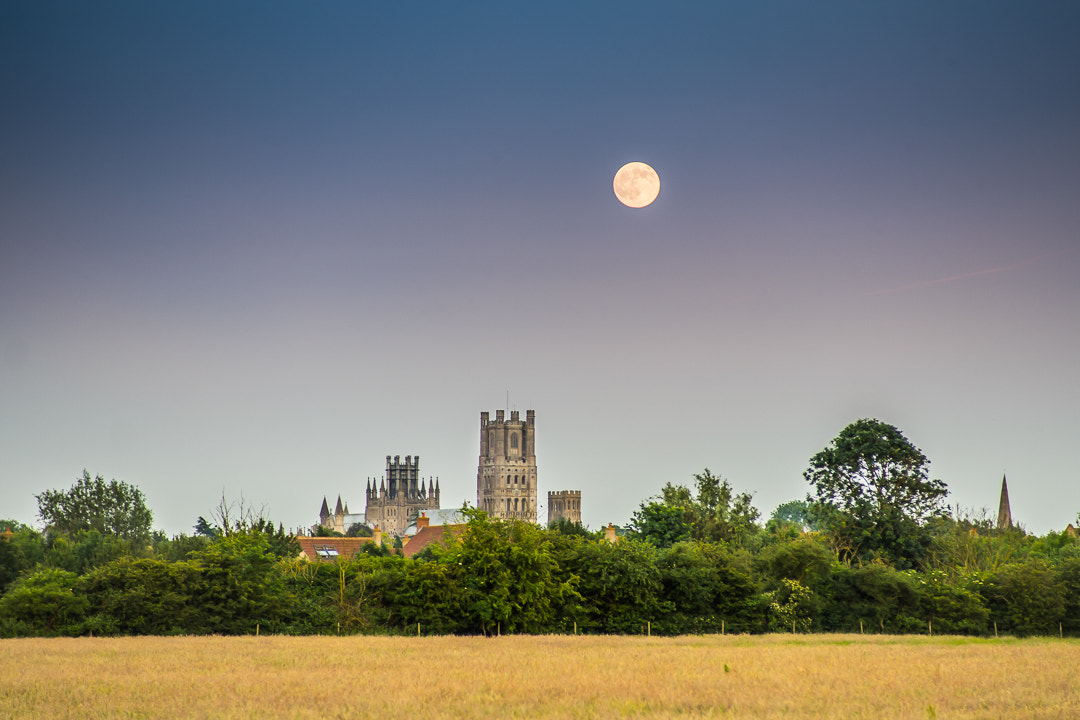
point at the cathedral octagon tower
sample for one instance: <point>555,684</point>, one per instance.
<point>506,477</point>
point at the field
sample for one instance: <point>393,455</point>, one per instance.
<point>806,676</point>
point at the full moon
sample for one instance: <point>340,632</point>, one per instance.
<point>636,184</point>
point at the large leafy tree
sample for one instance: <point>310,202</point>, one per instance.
<point>110,508</point>
<point>872,491</point>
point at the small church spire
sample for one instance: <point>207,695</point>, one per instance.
<point>1004,519</point>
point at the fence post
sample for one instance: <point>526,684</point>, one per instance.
<point>930,628</point>
<point>256,629</point>
<point>721,627</point>
<point>648,628</point>
<point>575,627</point>
<point>995,629</point>
<point>860,627</point>
<point>417,629</point>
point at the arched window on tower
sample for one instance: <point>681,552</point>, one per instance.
<point>513,441</point>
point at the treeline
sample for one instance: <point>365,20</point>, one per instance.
<point>871,549</point>
<point>502,577</point>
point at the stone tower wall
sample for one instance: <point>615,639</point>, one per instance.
<point>400,496</point>
<point>564,504</point>
<point>506,476</point>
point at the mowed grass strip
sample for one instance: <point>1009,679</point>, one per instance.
<point>775,676</point>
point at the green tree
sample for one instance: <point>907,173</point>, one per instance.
<point>872,491</point>
<point>713,512</point>
<point>951,608</point>
<point>1068,579</point>
<point>359,530</point>
<point>84,550</point>
<point>512,581</point>
<point>791,607</point>
<point>620,585</point>
<point>565,526</point>
<point>705,591</point>
<point>882,598</point>
<point>110,508</point>
<point>660,524</point>
<point>398,592</point>
<point>43,602</point>
<point>1025,599</point>
<point>203,528</point>
<point>795,512</point>
<point>805,559</point>
<point>240,518</point>
<point>147,596</point>
<point>18,553</point>
<point>239,584</point>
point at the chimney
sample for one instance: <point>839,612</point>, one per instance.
<point>377,537</point>
<point>609,534</point>
<point>422,522</point>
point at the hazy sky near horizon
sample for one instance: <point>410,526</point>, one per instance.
<point>253,248</point>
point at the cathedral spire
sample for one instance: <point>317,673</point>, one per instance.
<point>1004,519</point>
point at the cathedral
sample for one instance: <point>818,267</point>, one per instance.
<point>393,503</point>
<point>506,486</point>
<point>400,496</point>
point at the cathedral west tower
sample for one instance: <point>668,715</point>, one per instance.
<point>506,477</point>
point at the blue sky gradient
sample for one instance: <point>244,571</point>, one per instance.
<point>253,248</point>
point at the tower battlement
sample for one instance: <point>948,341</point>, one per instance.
<point>506,475</point>
<point>564,504</point>
<point>398,498</point>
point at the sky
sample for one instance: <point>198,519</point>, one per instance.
<point>248,250</point>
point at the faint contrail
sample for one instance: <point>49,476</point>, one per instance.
<point>988,271</point>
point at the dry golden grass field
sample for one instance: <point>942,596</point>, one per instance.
<point>776,676</point>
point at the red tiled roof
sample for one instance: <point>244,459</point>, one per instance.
<point>331,548</point>
<point>426,536</point>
